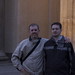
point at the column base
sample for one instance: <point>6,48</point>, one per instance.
<point>3,56</point>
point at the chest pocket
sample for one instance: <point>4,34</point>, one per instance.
<point>49,47</point>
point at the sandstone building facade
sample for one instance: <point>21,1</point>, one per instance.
<point>16,15</point>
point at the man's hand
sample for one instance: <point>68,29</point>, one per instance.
<point>24,71</point>
<point>67,40</point>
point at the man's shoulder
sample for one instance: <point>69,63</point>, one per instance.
<point>24,41</point>
<point>49,41</point>
<point>44,39</point>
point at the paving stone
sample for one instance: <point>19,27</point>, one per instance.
<point>6,68</point>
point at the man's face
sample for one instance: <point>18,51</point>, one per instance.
<point>56,31</point>
<point>34,31</point>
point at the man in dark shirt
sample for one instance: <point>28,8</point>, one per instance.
<point>58,53</point>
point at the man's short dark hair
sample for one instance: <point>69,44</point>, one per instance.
<point>33,24</point>
<point>57,23</point>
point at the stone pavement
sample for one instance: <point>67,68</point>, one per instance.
<point>6,68</point>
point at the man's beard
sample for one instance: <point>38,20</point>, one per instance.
<point>34,36</point>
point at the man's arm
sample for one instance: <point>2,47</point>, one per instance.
<point>16,58</point>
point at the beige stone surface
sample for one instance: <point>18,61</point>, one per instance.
<point>67,18</point>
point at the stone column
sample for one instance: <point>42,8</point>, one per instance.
<point>2,21</point>
<point>11,26</point>
<point>67,18</point>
